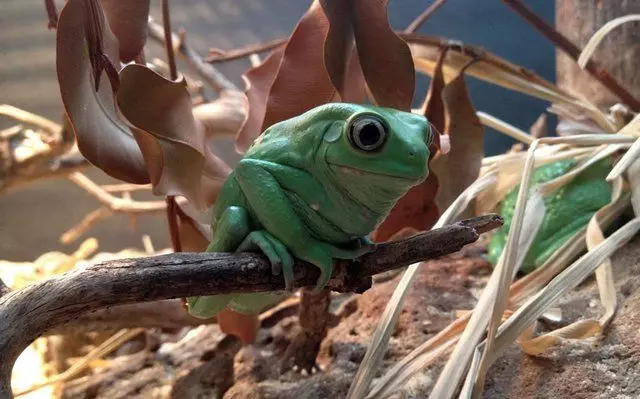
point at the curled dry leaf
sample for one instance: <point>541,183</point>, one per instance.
<point>128,21</point>
<point>385,57</point>
<point>319,64</point>
<point>302,82</point>
<point>460,167</point>
<point>258,81</point>
<point>339,41</point>
<point>173,142</point>
<point>102,135</point>
<point>223,116</point>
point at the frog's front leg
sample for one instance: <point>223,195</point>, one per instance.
<point>275,212</point>
<point>231,229</point>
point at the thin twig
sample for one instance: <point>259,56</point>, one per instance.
<point>28,313</point>
<point>217,55</point>
<point>52,13</point>
<point>424,16</point>
<point>52,128</point>
<point>110,205</point>
<point>211,76</point>
<point>172,217</point>
<point>121,187</point>
<point>168,40</point>
<point>564,44</point>
<point>85,224</point>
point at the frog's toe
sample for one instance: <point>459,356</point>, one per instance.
<point>352,253</point>
<point>325,276</point>
<point>286,262</point>
<point>277,253</point>
<point>261,240</point>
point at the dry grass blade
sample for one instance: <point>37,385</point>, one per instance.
<point>528,230</point>
<point>600,34</point>
<point>371,362</point>
<point>556,183</point>
<point>451,375</point>
<point>104,349</point>
<point>418,359</point>
<point>504,127</point>
<point>566,280</point>
<point>632,129</point>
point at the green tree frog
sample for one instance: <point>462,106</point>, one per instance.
<point>568,209</point>
<point>313,187</point>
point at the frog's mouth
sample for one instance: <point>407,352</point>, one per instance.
<point>349,170</point>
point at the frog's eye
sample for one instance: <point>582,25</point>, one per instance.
<point>367,133</point>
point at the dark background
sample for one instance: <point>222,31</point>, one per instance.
<point>32,218</point>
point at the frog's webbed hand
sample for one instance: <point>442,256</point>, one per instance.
<point>275,212</point>
<point>276,251</point>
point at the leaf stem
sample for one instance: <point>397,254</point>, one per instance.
<point>168,40</point>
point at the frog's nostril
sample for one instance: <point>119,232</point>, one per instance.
<point>412,154</point>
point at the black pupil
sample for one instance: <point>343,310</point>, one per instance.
<point>369,134</point>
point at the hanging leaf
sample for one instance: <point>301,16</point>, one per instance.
<point>258,81</point>
<point>338,45</point>
<point>225,115</point>
<point>460,167</point>
<point>355,86</point>
<point>302,82</point>
<point>128,21</point>
<point>390,73</point>
<point>385,58</point>
<point>102,135</point>
<point>417,208</point>
<point>173,142</point>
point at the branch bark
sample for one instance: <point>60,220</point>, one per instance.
<point>28,313</point>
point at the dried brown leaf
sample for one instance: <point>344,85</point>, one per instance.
<point>385,58</point>
<point>339,43</point>
<point>102,135</point>
<point>258,81</point>
<point>460,167</point>
<point>302,82</point>
<point>539,127</point>
<point>173,142</point>
<point>225,115</point>
<point>128,21</point>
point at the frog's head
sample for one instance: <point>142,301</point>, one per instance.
<point>375,154</point>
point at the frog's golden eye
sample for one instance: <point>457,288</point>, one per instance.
<point>367,133</point>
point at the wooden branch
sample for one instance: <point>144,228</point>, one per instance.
<point>28,313</point>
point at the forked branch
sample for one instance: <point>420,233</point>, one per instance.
<point>29,313</point>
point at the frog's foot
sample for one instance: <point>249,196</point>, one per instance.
<point>322,255</point>
<point>278,254</point>
<point>302,352</point>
